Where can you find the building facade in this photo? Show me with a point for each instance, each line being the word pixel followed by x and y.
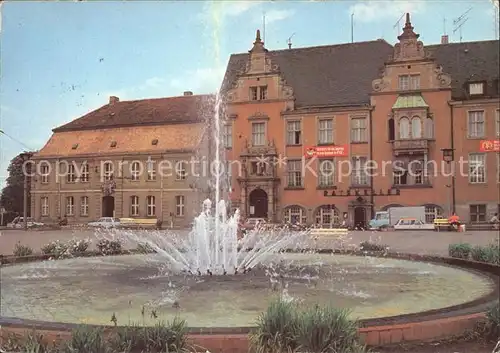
pixel 131 159
pixel 319 134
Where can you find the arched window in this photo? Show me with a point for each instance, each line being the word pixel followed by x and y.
pixel 432 212
pixel 386 207
pixel 295 214
pixel 429 128
pixel 390 129
pixel 404 128
pixel 416 128
pixel 327 216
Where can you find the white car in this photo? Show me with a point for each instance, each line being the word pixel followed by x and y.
pixel 412 224
pixel 105 222
pixel 18 223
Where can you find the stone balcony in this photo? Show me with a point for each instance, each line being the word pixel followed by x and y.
pixel 410 146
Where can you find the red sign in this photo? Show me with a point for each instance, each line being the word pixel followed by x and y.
pixel 326 151
pixel 490 146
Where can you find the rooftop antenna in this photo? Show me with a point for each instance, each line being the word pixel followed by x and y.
pixel 352 27
pixel 459 22
pixel 289 41
pixel 496 3
pixel 264 26
pixel 397 26
pixel 444 25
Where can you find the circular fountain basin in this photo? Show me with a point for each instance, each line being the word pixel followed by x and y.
pixel 138 289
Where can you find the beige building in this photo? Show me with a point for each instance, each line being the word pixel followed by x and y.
pixel 139 159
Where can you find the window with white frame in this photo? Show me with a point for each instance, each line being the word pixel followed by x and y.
pixel 258 134
pixel 431 213
pixel 416 127
pixel 84 206
pixel 326 169
pixel 476 88
pixel 400 177
pixel 227 135
pixel 44 171
pixel 497 122
pixel 294 172
pixel 477 168
pixel 409 82
pixel 358 129
pixel 477 213
pixel 295 215
pixel 359 174
pixel 404 128
pixel 70 206
pixel 180 170
pixel 179 205
pixel 429 128
pixel 151 170
pixel 71 175
pixel 85 172
pixel 327 216
pixel 475 123
pixel 151 205
pixel 325 131
pixel 108 171
pixel 293 132
pixel 135 171
pixel 134 206
pixel 44 205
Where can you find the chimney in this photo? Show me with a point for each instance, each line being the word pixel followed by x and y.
pixel 113 99
pixel 444 39
pixel 188 93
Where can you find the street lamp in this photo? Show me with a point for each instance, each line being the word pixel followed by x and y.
pixel 448 157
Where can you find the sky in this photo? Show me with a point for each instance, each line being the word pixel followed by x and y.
pixel 62 59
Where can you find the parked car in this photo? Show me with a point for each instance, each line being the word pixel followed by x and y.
pixel 412 224
pixel 18 223
pixel 105 222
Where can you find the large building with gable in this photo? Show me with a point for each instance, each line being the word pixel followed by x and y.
pixel 292 114
pixel 128 159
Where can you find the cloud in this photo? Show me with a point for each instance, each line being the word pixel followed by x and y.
pixel 199 81
pixel 375 10
pixel 220 10
pixel 275 16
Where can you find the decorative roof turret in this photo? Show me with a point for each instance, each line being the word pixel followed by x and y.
pixel 409 47
pixel 258 45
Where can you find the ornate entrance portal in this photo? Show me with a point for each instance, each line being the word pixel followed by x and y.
pixel 258 202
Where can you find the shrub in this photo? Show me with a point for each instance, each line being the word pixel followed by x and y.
pixel 369 246
pixel 461 250
pixel 327 330
pixel 32 343
pixel 22 250
pixel 163 337
pixel 55 248
pixel 145 248
pixel 109 247
pixel 493 316
pixel 488 254
pixel 86 340
pixel 78 246
pixel 276 329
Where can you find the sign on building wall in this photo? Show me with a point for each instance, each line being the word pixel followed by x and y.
pixel 490 146
pixel 326 151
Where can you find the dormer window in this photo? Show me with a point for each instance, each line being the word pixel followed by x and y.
pixel 476 88
pixel 258 93
pixel 154 142
pixel 113 144
pixel 409 82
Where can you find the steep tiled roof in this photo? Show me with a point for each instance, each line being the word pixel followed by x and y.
pixel 134 139
pixel 342 74
pixel 325 75
pixel 471 61
pixel 172 110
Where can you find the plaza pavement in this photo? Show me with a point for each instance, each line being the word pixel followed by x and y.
pixel 417 242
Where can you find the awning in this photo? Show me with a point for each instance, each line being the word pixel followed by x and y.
pixel 410 101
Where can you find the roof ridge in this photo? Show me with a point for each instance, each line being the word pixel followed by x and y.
pixel 162 98
pixel 320 46
pixel 461 43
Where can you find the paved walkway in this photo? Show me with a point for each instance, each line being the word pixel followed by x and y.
pixel 423 242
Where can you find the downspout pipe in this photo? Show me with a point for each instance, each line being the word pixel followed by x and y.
pixel 371 158
pixel 452 142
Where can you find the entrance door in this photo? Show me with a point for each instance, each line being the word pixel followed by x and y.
pixel 359 218
pixel 258 203
pixel 108 206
